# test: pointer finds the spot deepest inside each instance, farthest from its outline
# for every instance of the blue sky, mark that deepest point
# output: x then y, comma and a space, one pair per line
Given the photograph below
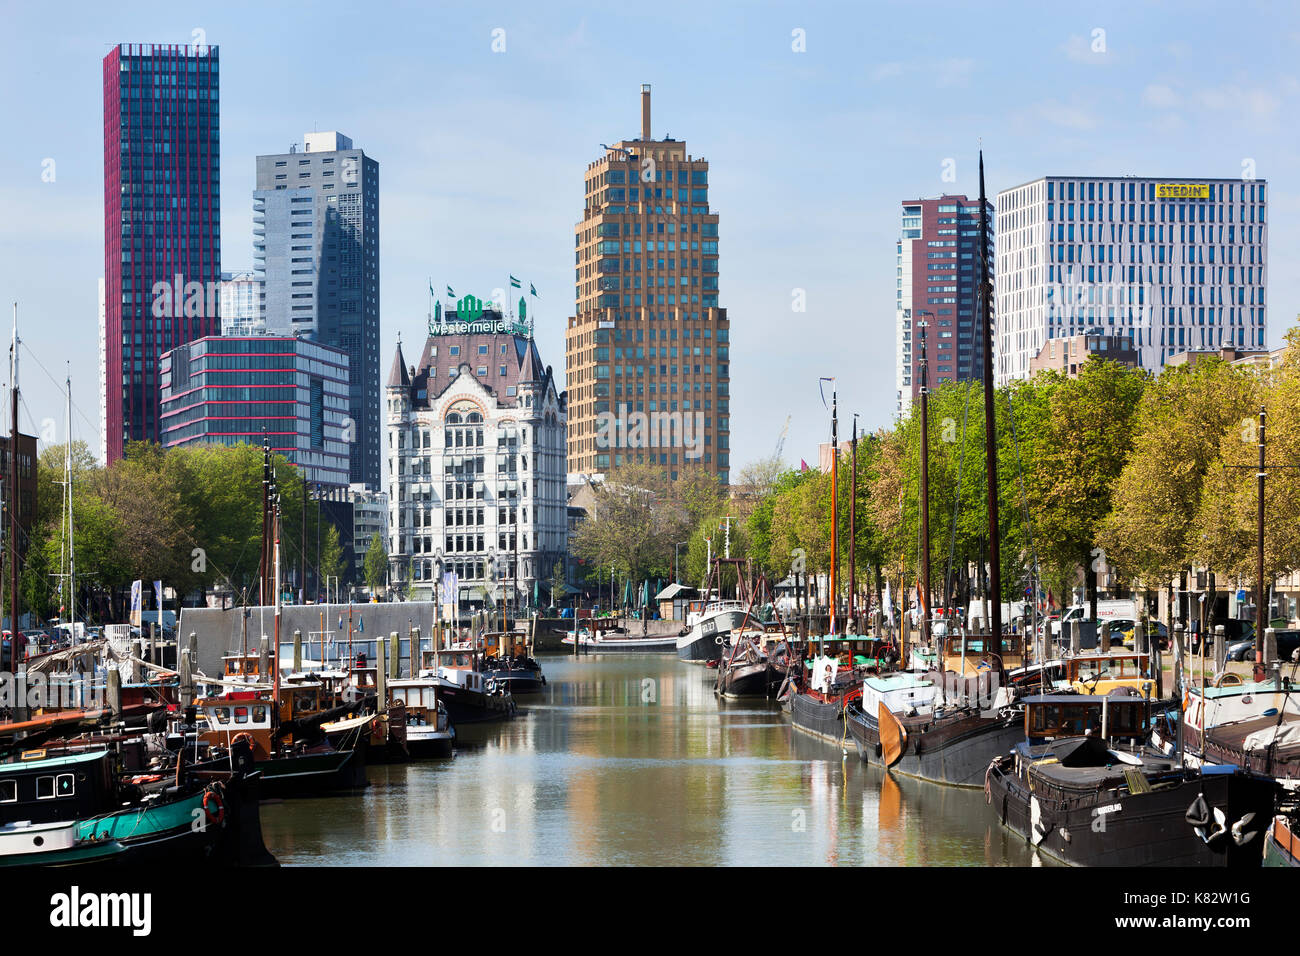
482, 154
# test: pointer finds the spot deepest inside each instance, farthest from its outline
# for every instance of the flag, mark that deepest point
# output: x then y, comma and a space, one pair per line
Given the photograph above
136, 589
157, 596
889, 606
532, 289
450, 294
803, 465
432, 294
514, 283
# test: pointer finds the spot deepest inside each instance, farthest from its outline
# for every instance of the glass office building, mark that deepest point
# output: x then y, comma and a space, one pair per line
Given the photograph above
232, 389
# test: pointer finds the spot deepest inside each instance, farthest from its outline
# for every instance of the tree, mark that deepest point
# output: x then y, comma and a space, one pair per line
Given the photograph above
1153, 530
1226, 523
1074, 454
376, 563
639, 513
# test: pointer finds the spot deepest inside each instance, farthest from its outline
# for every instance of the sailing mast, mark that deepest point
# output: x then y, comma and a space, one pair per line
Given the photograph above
990, 427
853, 519
72, 551
925, 496
835, 509
15, 597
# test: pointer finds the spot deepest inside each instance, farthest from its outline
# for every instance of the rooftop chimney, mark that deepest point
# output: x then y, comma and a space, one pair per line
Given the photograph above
645, 112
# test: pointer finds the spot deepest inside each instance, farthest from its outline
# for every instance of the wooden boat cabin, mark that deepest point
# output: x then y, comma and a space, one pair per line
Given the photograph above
1099, 674
968, 653
1052, 716
460, 665
238, 712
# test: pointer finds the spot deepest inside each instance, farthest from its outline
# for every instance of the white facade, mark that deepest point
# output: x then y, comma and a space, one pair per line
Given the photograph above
1172, 264
241, 295
475, 470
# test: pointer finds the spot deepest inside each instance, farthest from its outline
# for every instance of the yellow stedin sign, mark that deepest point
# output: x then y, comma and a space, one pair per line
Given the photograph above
1182, 190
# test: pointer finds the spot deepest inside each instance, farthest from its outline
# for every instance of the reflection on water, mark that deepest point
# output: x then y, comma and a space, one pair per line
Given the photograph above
631, 760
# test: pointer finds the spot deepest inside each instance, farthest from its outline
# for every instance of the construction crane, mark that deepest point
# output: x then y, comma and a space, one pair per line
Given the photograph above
780, 441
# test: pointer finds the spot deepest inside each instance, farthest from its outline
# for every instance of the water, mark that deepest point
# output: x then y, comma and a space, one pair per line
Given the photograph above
631, 760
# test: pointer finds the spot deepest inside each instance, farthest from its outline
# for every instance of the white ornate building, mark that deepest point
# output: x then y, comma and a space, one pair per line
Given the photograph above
476, 464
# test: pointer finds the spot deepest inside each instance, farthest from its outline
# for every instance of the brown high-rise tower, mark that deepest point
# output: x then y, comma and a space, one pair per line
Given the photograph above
647, 349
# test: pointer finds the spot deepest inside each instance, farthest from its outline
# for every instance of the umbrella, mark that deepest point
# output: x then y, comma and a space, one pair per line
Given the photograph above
645, 594
627, 592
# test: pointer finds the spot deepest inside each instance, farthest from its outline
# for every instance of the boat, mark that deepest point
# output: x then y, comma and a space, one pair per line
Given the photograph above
470, 695
747, 671
707, 629
508, 661
603, 643
82, 808
949, 745
429, 729
1282, 843
1084, 788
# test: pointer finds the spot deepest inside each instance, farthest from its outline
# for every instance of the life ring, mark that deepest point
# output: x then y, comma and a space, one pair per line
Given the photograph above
218, 817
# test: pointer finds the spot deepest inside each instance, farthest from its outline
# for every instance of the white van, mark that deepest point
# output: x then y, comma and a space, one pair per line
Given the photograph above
1106, 611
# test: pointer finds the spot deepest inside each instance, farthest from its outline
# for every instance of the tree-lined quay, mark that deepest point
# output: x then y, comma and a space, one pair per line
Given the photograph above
1143, 476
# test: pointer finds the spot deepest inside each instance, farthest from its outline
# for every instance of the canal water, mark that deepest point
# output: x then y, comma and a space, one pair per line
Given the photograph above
631, 760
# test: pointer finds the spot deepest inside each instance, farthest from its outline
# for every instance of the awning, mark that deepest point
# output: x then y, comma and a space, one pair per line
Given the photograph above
672, 591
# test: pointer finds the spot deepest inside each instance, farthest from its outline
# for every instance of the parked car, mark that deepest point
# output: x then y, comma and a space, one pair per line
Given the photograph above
1154, 628
1242, 650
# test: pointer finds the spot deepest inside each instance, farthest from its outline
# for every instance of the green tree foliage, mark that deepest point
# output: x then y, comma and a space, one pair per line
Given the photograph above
638, 515
376, 563
1183, 421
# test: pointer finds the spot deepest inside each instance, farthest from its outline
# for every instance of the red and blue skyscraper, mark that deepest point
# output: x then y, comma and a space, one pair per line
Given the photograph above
162, 222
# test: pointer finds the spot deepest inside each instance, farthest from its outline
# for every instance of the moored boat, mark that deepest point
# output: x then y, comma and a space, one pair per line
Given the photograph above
1085, 789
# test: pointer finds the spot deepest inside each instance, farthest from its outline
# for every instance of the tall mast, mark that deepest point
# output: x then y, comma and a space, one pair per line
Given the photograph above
15, 598
853, 518
925, 494
1261, 593
72, 551
835, 508
990, 427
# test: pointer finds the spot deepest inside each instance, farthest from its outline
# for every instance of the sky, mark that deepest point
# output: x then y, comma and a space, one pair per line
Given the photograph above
818, 120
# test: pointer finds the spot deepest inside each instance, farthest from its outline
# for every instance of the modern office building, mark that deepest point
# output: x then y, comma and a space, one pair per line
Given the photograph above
647, 349
241, 297
316, 252
475, 475
230, 390
1171, 264
938, 263
162, 222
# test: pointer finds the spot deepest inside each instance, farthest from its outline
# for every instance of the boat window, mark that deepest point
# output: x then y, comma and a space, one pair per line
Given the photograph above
8, 791
45, 788
241, 715
66, 784
222, 714
259, 714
